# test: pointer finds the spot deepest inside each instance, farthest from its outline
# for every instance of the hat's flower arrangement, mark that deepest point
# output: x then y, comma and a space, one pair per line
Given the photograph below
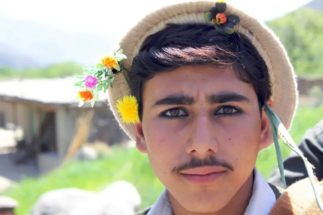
100, 78
220, 21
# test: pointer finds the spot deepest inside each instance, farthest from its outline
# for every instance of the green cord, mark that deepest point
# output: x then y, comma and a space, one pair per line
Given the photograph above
277, 126
278, 151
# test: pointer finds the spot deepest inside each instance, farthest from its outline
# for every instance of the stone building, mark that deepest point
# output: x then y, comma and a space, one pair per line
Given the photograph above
47, 111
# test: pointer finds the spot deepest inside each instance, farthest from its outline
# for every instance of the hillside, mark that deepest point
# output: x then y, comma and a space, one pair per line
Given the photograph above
315, 4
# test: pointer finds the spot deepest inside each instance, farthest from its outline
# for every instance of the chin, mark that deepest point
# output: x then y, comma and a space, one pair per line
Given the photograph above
204, 202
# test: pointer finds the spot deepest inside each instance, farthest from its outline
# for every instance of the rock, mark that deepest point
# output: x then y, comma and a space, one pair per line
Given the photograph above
60, 202
7, 203
120, 198
128, 144
5, 184
86, 153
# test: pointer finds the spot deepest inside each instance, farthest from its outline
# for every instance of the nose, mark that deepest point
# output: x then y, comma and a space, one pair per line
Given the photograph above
202, 142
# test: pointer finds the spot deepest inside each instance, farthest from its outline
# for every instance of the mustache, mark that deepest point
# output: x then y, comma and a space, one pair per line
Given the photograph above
195, 162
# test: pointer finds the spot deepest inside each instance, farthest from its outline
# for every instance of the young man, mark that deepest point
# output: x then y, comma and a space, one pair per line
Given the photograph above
201, 74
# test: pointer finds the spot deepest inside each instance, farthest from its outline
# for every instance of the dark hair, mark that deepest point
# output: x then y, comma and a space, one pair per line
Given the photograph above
198, 44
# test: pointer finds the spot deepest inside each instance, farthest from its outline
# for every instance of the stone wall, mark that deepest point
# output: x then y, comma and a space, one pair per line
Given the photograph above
305, 85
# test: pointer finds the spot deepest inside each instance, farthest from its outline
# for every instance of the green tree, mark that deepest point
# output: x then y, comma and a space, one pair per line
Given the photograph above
57, 70
301, 32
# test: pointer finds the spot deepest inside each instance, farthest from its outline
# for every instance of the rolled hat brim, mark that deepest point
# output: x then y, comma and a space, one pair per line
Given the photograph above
282, 76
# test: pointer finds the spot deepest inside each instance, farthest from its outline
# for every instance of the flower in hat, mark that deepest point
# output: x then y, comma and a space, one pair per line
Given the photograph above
100, 77
109, 62
85, 95
90, 82
128, 109
220, 18
220, 21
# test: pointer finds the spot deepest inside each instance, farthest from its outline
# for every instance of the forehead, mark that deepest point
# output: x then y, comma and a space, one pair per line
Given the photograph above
197, 82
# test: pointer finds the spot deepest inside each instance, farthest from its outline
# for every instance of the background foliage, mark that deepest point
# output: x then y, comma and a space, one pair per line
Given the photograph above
302, 35
55, 71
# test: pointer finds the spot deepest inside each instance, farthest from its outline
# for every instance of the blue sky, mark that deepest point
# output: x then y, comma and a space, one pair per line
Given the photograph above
105, 16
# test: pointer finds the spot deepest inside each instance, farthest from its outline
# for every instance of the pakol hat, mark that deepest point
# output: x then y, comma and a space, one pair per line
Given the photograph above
282, 76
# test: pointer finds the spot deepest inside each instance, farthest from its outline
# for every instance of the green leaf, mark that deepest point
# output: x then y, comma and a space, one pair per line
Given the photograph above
99, 73
117, 67
80, 76
120, 56
99, 87
207, 16
117, 51
90, 70
105, 88
92, 102
100, 66
81, 103
111, 85
79, 83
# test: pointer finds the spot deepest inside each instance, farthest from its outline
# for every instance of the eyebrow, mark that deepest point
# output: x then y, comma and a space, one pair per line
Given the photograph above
224, 97
221, 97
175, 100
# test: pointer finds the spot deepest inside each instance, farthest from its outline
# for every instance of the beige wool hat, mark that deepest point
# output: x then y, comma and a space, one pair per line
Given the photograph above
282, 76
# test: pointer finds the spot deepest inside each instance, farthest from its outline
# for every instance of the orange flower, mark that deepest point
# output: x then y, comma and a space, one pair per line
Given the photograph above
219, 19
85, 95
109, 62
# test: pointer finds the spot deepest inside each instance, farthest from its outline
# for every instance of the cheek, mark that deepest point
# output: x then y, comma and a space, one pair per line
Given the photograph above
164, 145
242, 138
163, 135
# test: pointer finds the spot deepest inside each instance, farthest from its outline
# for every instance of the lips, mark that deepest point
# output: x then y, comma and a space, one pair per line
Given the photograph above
202, 175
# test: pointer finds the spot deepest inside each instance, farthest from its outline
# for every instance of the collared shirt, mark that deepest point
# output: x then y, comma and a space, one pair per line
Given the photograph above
261, 202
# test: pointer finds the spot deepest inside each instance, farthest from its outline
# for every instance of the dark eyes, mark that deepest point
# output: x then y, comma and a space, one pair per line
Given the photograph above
180, 112
175, 112
227, 110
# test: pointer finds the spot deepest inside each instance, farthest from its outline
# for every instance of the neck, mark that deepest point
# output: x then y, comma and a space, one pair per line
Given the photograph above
236, 206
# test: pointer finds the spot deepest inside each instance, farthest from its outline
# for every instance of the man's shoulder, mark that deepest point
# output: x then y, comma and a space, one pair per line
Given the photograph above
143, 212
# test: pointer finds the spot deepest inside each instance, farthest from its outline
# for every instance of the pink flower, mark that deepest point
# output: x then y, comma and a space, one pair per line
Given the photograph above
90, 82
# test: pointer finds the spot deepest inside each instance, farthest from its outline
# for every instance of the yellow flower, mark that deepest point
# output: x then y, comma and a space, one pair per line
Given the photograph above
109, 62
220, 1
128, 108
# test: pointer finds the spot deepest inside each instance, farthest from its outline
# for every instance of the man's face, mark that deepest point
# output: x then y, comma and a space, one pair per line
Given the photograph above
202, 130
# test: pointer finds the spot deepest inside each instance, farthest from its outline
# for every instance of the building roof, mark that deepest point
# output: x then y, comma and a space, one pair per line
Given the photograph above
53, 92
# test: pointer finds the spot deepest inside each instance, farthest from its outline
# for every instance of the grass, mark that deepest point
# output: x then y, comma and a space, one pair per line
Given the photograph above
132, 166
129, 165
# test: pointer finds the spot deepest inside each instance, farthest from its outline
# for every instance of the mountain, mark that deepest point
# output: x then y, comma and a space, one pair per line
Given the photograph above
315, 4
25, 43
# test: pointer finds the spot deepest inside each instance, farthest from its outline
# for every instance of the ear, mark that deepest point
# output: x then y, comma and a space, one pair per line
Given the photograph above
265, 134
140, 138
